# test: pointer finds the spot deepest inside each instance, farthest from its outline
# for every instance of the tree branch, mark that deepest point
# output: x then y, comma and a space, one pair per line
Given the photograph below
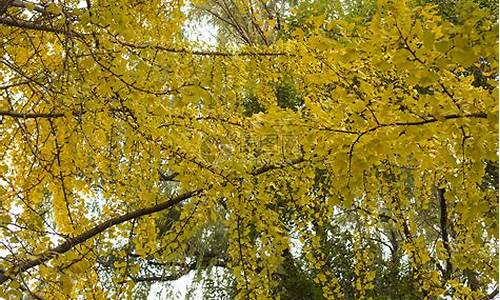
432, 119
4, 5
200, 52
270, 167
171, 177
79, 239
443, 221
14, 114
9, 21
25, 4
206, 261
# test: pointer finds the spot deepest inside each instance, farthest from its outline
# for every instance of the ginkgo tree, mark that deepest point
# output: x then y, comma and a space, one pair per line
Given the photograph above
125, 145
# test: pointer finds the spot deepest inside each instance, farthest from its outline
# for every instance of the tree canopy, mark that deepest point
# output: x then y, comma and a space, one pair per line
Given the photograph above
316, 150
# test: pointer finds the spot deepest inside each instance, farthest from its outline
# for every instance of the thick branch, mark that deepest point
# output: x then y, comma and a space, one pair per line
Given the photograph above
443, 220
270, 167
14, 114
171, 177
9, 21
72, 242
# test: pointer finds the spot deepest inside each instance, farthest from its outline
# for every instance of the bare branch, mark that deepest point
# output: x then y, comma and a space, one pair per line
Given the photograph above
18, 115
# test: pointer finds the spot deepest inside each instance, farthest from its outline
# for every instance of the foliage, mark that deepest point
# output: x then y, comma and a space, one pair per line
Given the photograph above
316, 151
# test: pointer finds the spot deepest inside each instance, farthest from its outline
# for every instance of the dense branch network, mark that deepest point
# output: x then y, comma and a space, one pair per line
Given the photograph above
392, 149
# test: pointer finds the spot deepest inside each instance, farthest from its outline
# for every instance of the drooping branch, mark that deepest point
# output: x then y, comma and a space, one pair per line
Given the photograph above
81, 238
